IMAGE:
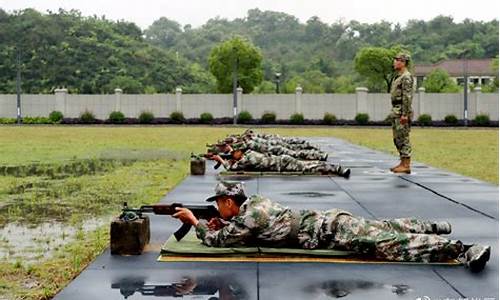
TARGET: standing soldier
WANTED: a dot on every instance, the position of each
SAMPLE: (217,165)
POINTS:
(401,113)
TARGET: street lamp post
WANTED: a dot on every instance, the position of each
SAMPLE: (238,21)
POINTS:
(277,77)
(18,84)
(235,86)
(466,87)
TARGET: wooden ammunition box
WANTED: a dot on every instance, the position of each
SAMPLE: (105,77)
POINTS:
(129,237)
(198,166)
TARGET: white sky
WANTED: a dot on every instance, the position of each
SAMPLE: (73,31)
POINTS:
(197,12)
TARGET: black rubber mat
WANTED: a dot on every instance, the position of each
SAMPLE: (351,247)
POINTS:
(469,204)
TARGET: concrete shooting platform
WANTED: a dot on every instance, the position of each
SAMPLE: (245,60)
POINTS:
(470,205)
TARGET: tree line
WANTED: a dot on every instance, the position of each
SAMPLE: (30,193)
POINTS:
(96,55)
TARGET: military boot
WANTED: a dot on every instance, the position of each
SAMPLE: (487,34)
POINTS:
(341,171)
(396,166)
(475,257)
(404,167)
(442,227)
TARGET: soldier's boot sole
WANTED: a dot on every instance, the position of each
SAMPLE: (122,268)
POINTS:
(402,171)
(478,261)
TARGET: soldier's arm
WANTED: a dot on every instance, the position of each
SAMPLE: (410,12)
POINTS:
(235,233)
(407,95)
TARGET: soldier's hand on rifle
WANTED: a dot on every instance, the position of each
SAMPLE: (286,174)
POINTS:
(185,215)
(403,120)
(215,224)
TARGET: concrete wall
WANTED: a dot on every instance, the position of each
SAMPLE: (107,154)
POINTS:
(313,106)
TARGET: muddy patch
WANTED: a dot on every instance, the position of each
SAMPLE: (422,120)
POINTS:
(20,242)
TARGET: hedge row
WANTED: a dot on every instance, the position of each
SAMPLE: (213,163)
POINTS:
(244,117)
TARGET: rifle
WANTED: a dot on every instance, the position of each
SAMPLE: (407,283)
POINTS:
(128,289)
(223,156)
(205,212)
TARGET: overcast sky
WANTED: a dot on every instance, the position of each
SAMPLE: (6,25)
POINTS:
(197,12)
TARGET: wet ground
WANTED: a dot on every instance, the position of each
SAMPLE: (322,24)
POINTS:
(470,205)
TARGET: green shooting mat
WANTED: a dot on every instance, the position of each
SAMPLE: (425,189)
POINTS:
(191,249)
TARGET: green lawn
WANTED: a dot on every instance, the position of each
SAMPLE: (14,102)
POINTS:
(71,174)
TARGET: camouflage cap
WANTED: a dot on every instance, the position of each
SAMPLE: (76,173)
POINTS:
(228,188)
(230,140)
(249,132)
(403,56)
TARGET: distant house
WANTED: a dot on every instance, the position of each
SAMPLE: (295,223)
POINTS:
(479,71)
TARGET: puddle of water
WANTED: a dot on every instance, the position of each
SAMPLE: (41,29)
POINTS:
(341,288)
(105,162)
(199,287)
(31,244)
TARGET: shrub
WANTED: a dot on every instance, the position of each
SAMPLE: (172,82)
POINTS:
(177,117)
(425,120)
(56,116)
(362,118)
(244,117)
(87,117)
(116,117)
(451,119)
(482,120)
(329,118)
(36,120)
(8,120)
(206,118)
(146,117)
(268,117)
(297,118)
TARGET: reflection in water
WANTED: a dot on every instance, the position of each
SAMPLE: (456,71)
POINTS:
(213,287)
(342,288)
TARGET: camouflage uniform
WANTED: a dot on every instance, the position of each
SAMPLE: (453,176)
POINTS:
(401,98)
(262,222)
(279,142)
(256,161)
(310,154)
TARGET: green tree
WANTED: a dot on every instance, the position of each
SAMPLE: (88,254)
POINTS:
(236,53)
(128,84)
(265,87)
(344,85)
(439,81)
(375,63)
(163,32)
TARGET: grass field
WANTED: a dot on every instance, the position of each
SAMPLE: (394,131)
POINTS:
(70,175)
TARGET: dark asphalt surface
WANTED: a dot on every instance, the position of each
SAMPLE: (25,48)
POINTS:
(470,205)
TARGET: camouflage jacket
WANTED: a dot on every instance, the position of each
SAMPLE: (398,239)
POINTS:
(262,222)
(402,94)
(254,161)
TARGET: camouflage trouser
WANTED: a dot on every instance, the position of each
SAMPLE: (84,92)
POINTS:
(394,240)
(401,136)
(290,164)
(300,154)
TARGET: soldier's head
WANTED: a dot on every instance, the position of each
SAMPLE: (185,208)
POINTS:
(223,147)
(401,61)
(229,197)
